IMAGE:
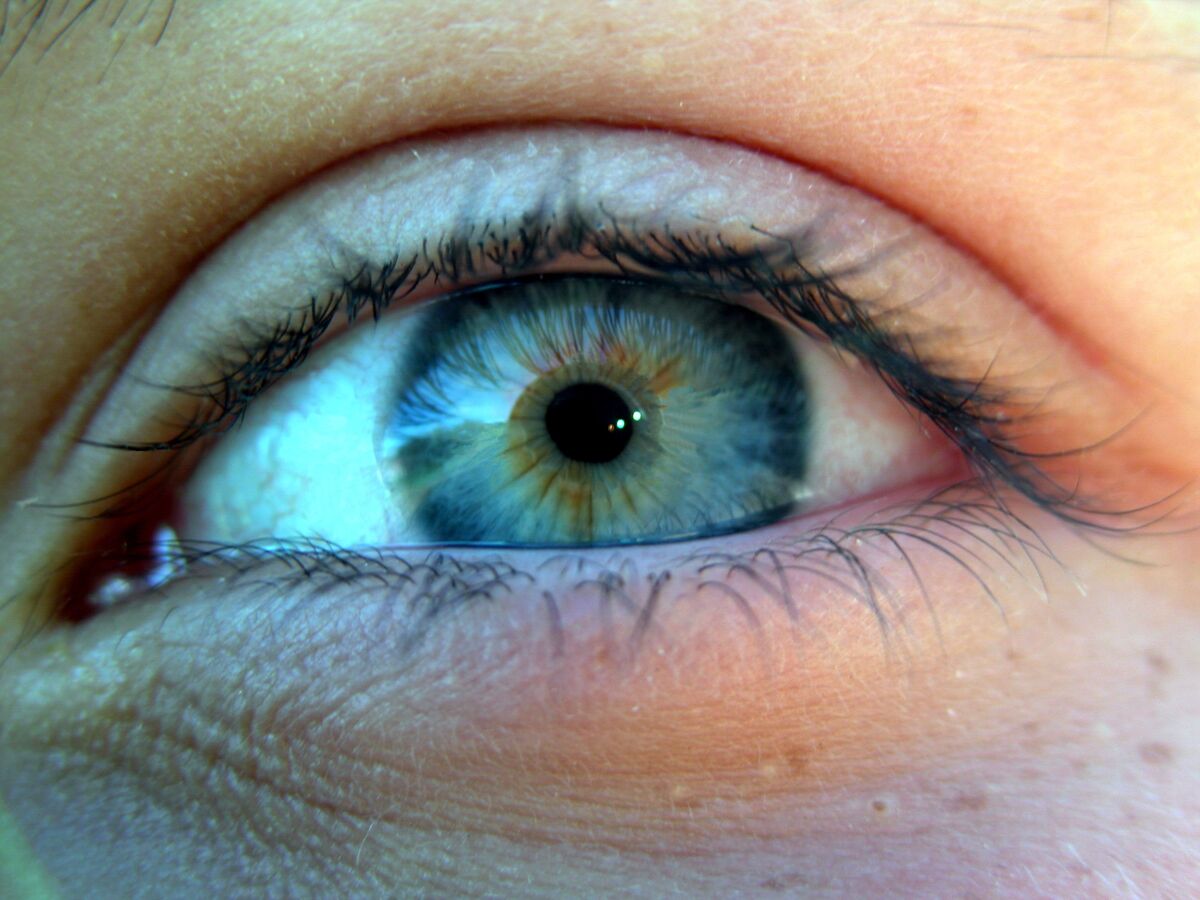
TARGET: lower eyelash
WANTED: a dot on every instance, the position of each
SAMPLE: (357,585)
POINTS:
(966,524)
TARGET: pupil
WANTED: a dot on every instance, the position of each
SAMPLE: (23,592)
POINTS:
(590,423)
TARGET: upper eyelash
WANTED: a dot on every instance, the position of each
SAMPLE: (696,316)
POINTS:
(972,413)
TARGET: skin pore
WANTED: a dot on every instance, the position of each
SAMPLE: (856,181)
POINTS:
(1053,752)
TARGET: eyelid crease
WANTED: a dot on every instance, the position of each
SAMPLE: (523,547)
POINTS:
(772,268)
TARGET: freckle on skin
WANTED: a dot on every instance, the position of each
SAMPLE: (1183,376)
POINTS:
(884,807)
(783,882)
(968,803)
(797,760)
(1156,753)
(1158,663)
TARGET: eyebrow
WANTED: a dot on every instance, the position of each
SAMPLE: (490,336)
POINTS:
(38,26)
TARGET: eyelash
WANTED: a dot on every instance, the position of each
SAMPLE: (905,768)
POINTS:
(971,413)
(977,530)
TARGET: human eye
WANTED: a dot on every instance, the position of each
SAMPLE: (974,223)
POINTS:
(829,471)
(592,340)
(276,616)
(464,419)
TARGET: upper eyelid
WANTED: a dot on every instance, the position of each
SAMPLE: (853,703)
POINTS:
(337,262)
(341,261)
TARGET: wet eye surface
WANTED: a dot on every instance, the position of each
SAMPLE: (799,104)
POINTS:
(568,411)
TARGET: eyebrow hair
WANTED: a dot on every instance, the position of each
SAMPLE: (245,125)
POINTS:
(39,25)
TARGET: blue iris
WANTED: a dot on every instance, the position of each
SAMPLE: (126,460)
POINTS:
(582,410)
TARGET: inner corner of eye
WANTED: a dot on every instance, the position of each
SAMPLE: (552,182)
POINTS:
(566,411)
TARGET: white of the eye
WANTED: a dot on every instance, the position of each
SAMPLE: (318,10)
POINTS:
(303,462)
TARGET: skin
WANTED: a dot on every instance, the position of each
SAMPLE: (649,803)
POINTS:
(1053,754)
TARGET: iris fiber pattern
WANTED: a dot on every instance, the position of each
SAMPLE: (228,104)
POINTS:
(715,441)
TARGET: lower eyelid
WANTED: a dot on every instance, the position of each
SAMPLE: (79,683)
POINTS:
(377,651)
(451,696)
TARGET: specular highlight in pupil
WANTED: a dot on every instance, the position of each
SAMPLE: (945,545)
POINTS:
(589,423)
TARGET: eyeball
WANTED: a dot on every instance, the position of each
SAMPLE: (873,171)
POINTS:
(571,411)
